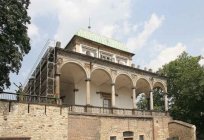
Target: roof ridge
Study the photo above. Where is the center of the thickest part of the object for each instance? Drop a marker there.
(103, 36)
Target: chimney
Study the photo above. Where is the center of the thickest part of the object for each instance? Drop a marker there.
(58, 44)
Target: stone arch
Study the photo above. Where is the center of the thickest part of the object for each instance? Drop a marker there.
(125, 75)
(101, 85)
(72, 80)
(160, 85)
(143, 86)
(123, 88)
(159, 91)
(104, 70)
(76, 63)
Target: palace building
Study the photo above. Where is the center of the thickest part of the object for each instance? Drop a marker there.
(97, 89)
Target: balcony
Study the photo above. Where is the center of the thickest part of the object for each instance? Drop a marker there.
(102, 111)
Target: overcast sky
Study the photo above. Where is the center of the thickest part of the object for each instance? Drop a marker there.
(157, 31)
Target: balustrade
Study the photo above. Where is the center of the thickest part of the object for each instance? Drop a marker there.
(114, 111)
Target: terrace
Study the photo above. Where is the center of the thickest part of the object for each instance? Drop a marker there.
(79, 109)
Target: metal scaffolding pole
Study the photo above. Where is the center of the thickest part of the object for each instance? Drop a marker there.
(42, 85)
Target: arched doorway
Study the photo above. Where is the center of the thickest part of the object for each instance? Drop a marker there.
(123, 87)
(72, 84)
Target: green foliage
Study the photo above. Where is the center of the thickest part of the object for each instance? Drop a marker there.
(142, 103)
(158, 99)
(186, 89)
(20, 93)
(14, 41)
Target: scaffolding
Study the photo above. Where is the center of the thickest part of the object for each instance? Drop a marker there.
(41, 83)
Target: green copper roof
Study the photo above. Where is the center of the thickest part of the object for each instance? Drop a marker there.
(102, 40)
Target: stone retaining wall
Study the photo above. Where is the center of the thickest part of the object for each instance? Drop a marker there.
(39, 122)
(182, 130)
(96, 127)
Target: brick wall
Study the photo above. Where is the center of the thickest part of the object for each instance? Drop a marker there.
(39, 122)
(182, 130)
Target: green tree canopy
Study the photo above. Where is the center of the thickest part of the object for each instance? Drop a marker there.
(158, 99)
(14, 40)
(186, 89)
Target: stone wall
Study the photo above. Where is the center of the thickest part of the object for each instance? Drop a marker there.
(83, 128)
(93, 127)
(39, 122)
(182, 130)
(161, 130)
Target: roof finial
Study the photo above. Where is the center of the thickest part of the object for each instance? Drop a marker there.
(89, 27)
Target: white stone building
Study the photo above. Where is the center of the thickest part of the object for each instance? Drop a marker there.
(96, 86)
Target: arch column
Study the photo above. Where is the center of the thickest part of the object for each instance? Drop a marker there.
(151, 100)
(88, 93)
(166, 102)
(57, 84)
(113, 95)
(134, 98)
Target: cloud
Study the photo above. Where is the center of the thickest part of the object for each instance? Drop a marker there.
(104, 15)
(166, 55)
(33, 30)
(109, 30)
(39, 8)
(201, 62)
(150, 27)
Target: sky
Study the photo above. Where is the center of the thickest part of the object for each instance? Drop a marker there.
(157, 31)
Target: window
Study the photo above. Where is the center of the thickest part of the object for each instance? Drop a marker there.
(107, 103)
(89, 51)
(141, 137)
(122, 60)
(128, 134)
(106, 56)
(112, 137)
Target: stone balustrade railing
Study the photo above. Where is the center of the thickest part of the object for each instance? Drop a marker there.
(115, 111)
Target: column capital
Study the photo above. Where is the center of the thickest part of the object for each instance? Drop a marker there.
(151, 90)
(112, 84)
(57, 74)
(87, 79)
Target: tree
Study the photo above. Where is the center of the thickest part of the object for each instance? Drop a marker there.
(142, 103)
(14, 40)
(186, 89)
(158, 99)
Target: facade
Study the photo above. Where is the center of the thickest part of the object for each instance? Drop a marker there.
(93, 87)
(96, 76)
(98, 71)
